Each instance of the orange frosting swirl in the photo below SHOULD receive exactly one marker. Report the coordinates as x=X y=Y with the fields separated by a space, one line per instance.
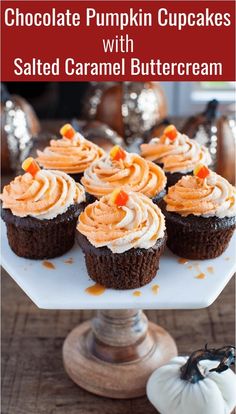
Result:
x=104 y=175
x=212 y=196
x=70 y=155
x=140 y=223
x=179 y=155
x=44 y=196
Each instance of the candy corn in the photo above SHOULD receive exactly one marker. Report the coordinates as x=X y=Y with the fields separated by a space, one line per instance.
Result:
x=67 y=131
x=119 y=197
x=201 y=171
x=117 y=153
x=30 y=166
x=171 y=132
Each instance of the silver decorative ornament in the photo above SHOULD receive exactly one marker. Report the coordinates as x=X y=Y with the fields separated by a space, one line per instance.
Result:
x=143 y=106
x=18 y=136
x=19 y=125
x=130 y=108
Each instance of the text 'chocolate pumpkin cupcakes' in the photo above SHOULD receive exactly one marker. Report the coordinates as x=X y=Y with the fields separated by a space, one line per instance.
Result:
x=122 y=236
x=40 y=209
x=71 y=154
x=121 y=168
x=200 y=213
x=177 y=154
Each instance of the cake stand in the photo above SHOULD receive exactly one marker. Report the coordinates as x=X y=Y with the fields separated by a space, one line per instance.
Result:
x=114 y=354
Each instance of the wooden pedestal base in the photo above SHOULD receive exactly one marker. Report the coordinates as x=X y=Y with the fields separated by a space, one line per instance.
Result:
x=114 y=354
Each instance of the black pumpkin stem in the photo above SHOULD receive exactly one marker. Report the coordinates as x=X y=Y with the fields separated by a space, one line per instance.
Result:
x=193 y=372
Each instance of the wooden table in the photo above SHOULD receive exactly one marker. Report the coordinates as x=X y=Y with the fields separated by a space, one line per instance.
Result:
x=33 y=378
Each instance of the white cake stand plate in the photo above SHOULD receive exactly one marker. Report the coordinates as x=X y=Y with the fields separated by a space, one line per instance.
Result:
x=114 y=354
x=63 y=283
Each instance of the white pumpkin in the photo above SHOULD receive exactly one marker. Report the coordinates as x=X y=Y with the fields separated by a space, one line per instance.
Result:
x=201 y=392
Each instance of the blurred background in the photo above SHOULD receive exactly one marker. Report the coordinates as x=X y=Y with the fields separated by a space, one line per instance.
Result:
x=63 y=99
x=127 y=113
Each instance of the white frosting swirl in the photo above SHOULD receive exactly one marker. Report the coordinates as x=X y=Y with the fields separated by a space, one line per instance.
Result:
x=70 y=155
x=105 y=174
x=44 y=196
x=212 y=196
x=179 y=155
x=223 y=197
x=138 y=224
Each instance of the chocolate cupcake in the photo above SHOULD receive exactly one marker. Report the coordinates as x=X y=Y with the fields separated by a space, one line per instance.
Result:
x=40 y=209
x=200 y=214
x=71 y=154
x=121 y=168
x=122 y=236
x=177 y=154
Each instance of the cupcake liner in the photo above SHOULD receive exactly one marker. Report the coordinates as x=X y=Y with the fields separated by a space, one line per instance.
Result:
x=41 y=239
x=198 y=238
x=129 y=270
